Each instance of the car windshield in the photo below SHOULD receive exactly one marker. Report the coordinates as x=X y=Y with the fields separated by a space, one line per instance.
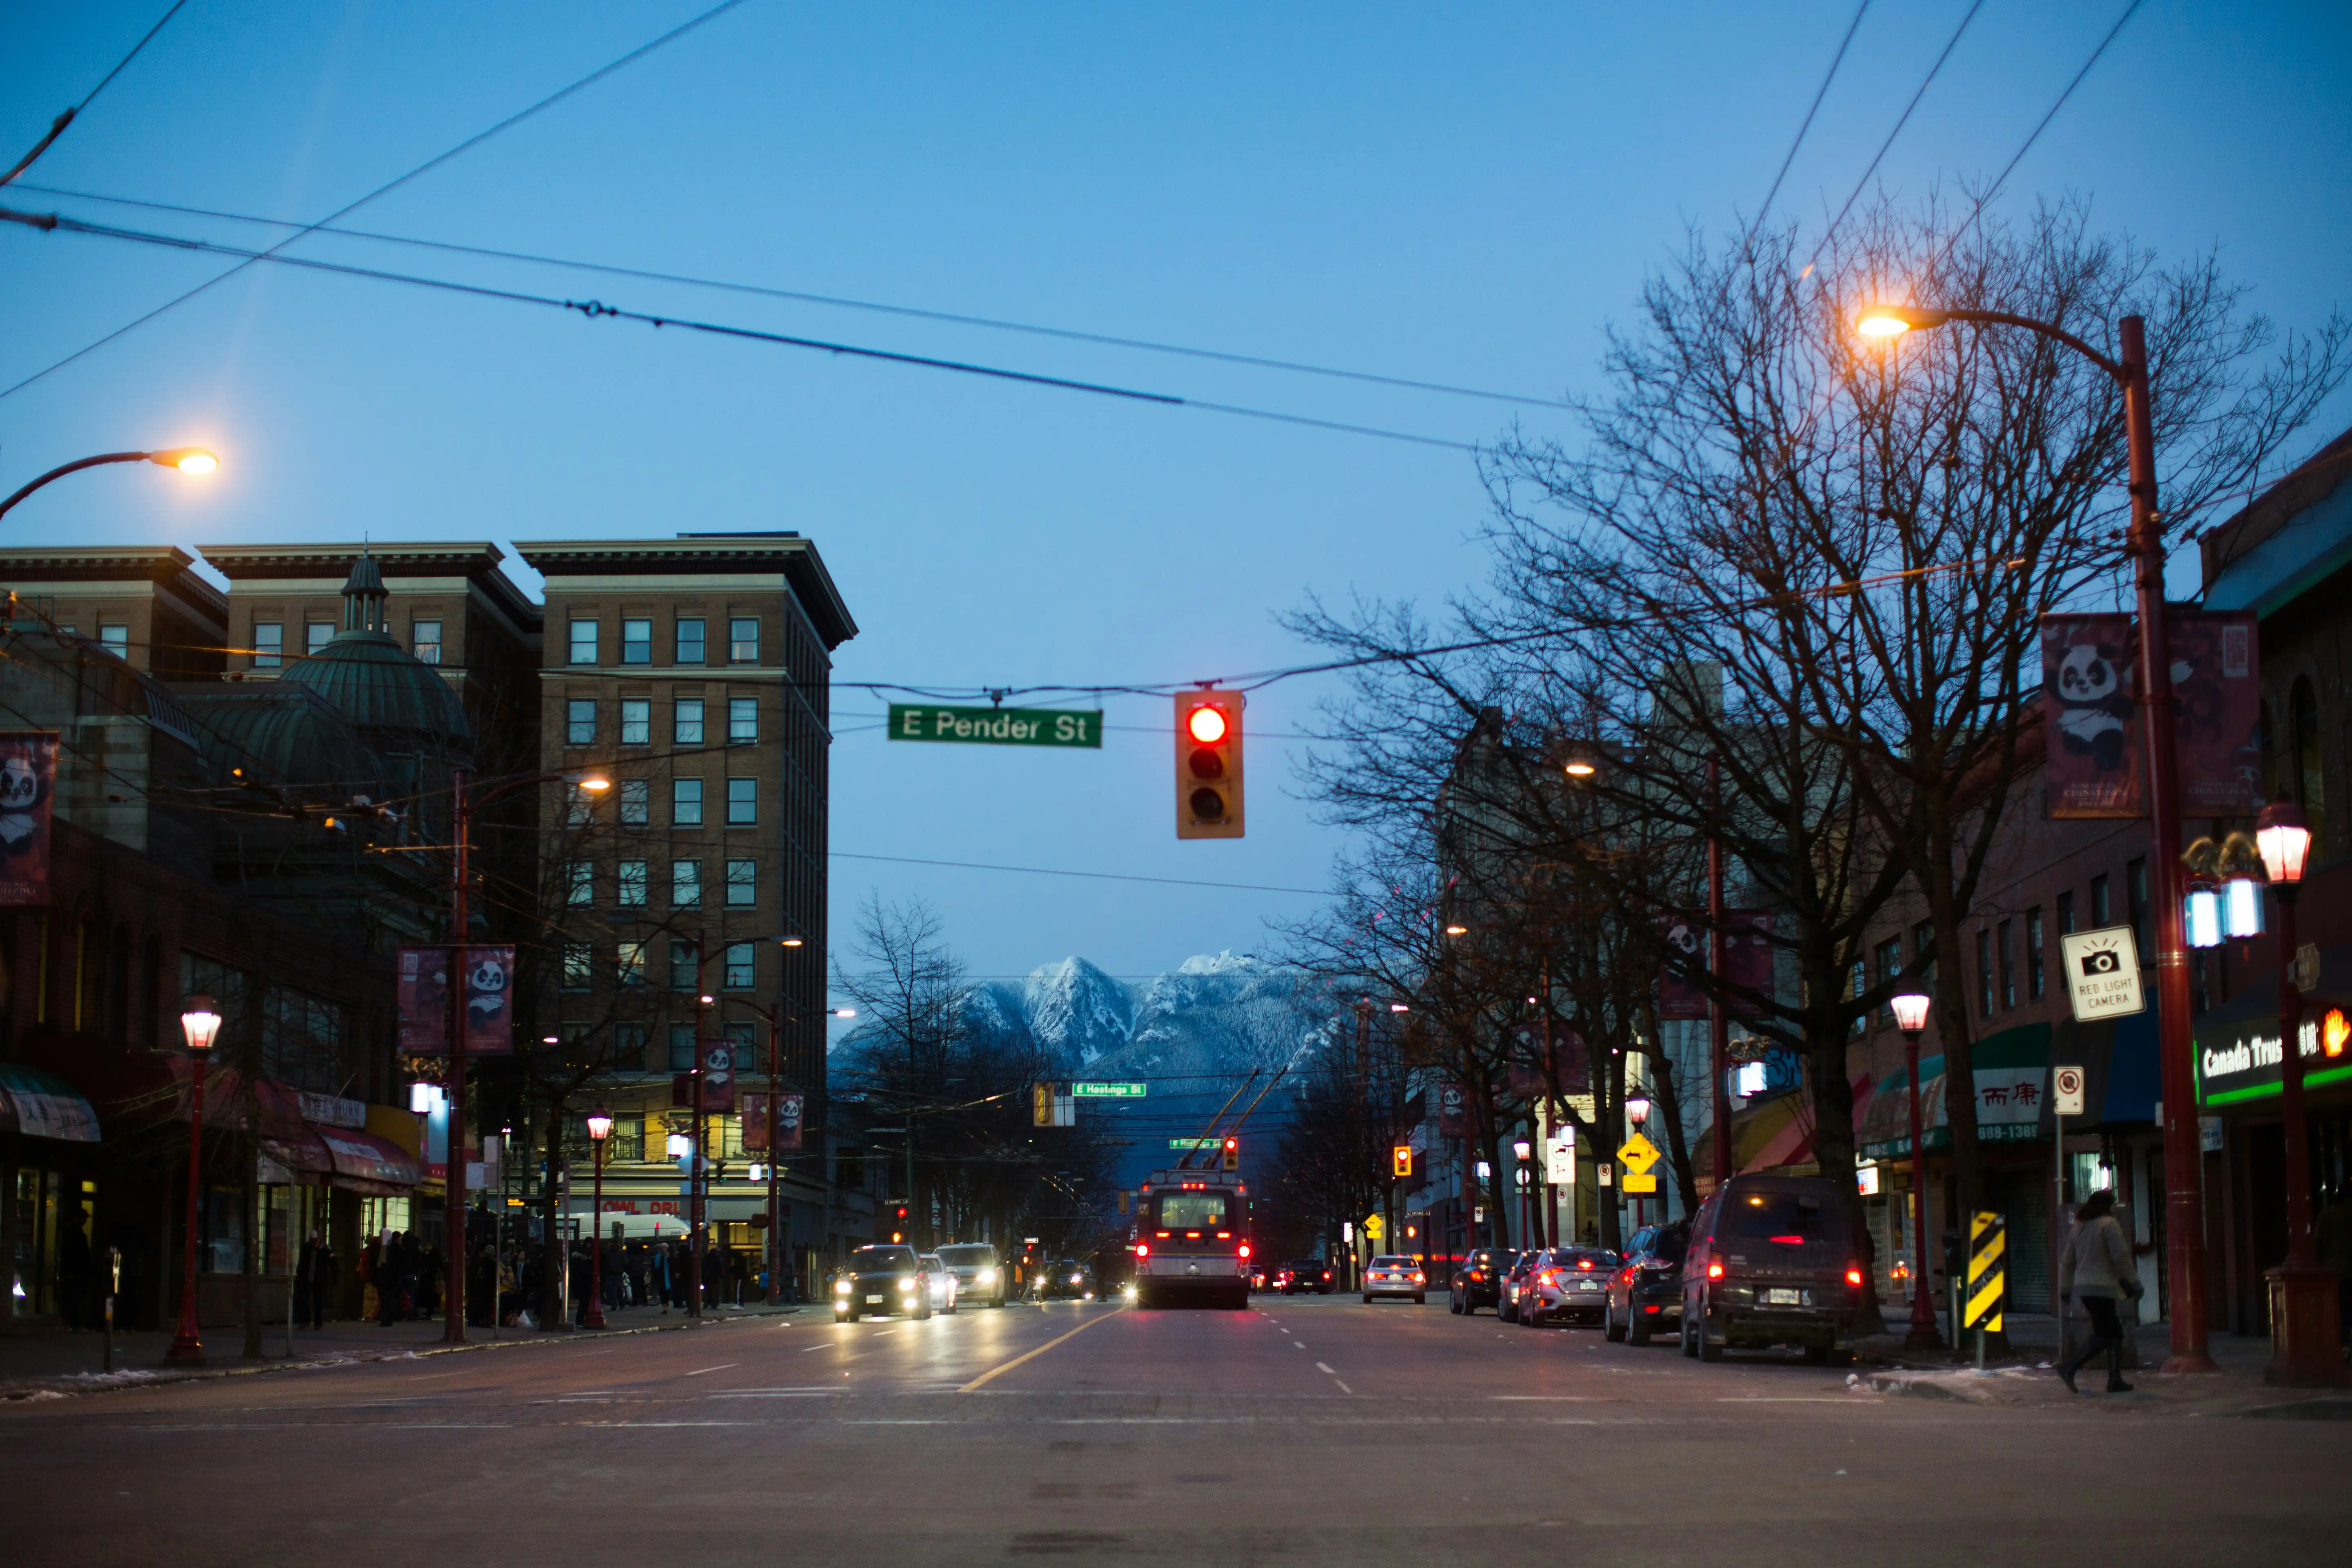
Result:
x=1195 y=1211
x=1577 y=1257
x=1792 y=1220
x=1392 y=1262
x=882 y=1259
x=1306 y=1266
x=1669 y=1246
x=967 y=1256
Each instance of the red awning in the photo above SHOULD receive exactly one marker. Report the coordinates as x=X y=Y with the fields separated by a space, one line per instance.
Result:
x=364 y=1162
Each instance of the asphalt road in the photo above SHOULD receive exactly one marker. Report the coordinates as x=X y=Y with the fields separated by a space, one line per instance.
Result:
x=1302 y=1431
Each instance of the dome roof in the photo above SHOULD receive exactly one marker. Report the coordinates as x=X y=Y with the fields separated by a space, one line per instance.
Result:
x=280 y=736
x=396 y=701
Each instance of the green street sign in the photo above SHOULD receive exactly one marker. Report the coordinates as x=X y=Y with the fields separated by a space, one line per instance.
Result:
x=1195 y=1143
x=997 y=726
x=1107 y=1090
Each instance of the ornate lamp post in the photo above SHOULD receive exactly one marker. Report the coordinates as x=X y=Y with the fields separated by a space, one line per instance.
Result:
x=200 y=1021
x=600 y=1129
x=2304 y=1325
x=1520 y=1149
x=1911 y=1018
x=187 y=460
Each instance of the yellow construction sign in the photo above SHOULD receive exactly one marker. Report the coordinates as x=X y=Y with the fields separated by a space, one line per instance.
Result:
x=1988 y=1271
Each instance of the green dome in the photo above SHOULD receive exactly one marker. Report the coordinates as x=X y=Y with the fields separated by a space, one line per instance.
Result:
x=395 y=701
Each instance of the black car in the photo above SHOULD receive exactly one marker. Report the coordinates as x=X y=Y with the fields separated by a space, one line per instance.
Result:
x=1645 y=1294
x=1068 y=1281
x=1771 y=1262
x=881 y=1279
x=1303 y=1276
x=1479 y=1279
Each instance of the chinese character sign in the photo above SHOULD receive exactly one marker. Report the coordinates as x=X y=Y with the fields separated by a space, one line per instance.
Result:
x=422 y=995
x=489 y=1007
x=28 y=780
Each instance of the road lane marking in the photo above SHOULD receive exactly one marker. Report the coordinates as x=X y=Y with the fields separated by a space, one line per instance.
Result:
x=1343 y=1387
x=722 y=1367
x=1787 y=1399
x=1321 y=1368
x=996 y=1372
x=826 y=1346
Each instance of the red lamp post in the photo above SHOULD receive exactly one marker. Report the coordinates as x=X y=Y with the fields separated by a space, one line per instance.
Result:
x=1911 y=1017
x=599 y=1128
x=200 y=1021
x=2303 y=1327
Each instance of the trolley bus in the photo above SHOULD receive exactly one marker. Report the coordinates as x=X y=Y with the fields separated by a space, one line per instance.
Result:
x=1191 y=1240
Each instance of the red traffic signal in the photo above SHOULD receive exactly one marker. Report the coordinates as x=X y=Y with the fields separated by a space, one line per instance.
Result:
x=1233 y=1154
x=1209 y=764
x=1400 y=1160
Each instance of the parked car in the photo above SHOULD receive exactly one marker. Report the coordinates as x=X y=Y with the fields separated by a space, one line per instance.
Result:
x=1645 y=1294
x=940 y=1280
x=980 y=1274
x=1395 y=1276
x=1303 y=1276
x=881 y=1279
x=1771 y=1262
x=1478 y=1282
x=1506 y=1306
x=1566 y=1283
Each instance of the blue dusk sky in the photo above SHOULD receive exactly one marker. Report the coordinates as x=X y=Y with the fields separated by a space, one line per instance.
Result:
x=1457 y=195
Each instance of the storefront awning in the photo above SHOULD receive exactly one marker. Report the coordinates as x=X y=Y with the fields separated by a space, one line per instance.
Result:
x=2012 y=1070
x=364 y=1162
x=42 y=1105
x=2236 y=1045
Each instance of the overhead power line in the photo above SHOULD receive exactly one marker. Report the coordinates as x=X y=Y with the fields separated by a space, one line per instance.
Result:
x=594 y=308
x=1807 y=124
x=1900 y=122
x=1093 y=876
x=58 y=126
x=802 y=295
x=474 y=140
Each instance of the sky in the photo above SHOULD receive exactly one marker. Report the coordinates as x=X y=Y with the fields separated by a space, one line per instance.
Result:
x=1461 y=195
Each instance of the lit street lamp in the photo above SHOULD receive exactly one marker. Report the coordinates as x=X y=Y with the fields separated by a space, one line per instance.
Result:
x=187 y=460
x=2144 y=543
x=599 y=1128
x=1911 y=1017
x=1522 y=1149
x=200 y=1022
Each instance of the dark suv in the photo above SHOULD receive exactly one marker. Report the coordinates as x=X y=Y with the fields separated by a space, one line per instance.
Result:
x=882 y=1280
x=1476 y=1282
x=1646 y=1293
x=1771 y=1262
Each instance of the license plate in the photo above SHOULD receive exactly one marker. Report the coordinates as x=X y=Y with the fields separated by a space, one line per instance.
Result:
x=873 y=1301
x=1587 y=1284
x=1783 y=1297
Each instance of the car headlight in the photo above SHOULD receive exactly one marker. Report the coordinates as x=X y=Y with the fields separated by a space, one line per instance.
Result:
x=986 y=1276
x=1075 y=1278
x=840 y=1287
x=905 y=1284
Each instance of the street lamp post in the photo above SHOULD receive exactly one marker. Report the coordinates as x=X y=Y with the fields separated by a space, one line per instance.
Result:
x=2144 y=542
x=1911 y=1018
x=1637 y=1112
x=599 y=1128
x=187 y=460
x=1520 y=1147
x=200 y=1022
x=2303 y=1326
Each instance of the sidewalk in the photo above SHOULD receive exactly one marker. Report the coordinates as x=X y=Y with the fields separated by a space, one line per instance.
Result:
x=51 y=1363
x=2026 y=1377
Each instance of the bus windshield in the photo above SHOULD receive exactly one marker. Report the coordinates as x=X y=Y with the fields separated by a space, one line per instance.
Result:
x=1195 y=1211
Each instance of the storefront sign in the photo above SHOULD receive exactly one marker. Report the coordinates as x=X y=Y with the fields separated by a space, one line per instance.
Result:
x=28 y=780
x=2245 y=1062
x=2102 y=972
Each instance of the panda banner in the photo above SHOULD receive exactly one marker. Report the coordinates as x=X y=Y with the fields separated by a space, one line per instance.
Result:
x=29 y=779
x=2092 y=721
x=490 y=1008
x=422 y=991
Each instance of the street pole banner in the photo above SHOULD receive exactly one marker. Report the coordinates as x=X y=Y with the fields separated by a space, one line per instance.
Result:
x=2217 y=711
x=422 y=997
x=755 y=1121
x=2090 y=717
x=29 y=786
x=719 y=1075
x=789 y=1108
x=489 y=1012
x=1747 y=963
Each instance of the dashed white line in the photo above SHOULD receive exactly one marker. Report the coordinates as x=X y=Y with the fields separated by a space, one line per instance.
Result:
x=1321 y=1368
x=722 y=1367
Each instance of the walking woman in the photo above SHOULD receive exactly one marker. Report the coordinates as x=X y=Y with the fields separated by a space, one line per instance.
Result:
x=2098 y=1268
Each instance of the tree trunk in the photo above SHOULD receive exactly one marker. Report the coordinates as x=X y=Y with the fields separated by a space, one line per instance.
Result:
x=1960 y=1073
x=1834 y=1142
x=1612 y=1118
x=257 y=1240
x=556 y=1255
x=1670 y=1102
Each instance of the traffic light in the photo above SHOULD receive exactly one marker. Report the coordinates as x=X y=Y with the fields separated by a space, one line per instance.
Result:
x=899 y=1219
x=1401 y=1160
x=1233 y=1154
x=1208 y=763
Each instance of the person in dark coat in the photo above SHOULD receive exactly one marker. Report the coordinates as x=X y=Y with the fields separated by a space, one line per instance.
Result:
x=2098 y=1268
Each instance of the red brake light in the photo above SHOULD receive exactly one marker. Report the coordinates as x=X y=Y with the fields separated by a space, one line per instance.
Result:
x=1854 y=1276
x=1714 y=1270
x=1143 y=1250
x=1584 y=1263
x=1788 y=1241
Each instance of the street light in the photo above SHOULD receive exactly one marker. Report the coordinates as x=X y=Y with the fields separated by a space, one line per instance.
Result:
x=200 y=1022
x=1910 y=1009
x=2184 y=1195
x=599 y=1128
x=2303 y=1327
x=187 y=460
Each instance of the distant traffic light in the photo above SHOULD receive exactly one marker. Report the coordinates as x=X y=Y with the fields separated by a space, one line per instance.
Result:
x=1208 y=763
x=1233 y=1154
x=899 y=1234
x=1401 y=1160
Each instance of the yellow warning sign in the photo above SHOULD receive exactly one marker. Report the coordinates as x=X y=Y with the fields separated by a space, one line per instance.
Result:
x=1638 y=1153
x=1988 y=1271
x=1640 y=1183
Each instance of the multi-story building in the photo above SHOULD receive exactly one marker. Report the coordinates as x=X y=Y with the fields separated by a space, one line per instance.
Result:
x=692 y=674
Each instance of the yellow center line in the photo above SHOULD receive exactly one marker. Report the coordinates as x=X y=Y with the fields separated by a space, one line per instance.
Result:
x=996 y=1372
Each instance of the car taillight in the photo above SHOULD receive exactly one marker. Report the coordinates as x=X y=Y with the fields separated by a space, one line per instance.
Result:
x=1476 y=1274
x=1714 y=1270
x=1584 y=1263
x=1420 y=1278
x=1854 y=1276
x=1788 y=1241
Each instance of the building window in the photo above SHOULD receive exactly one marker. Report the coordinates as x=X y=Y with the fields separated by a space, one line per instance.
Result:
x=115 y=638
x=636 y=642
x=632 y=954
x=425 y=641
x=584 y=642
x=628 y=1055
x=1923 y=955
x=681 y=967
x=685 y=884
x=2006 y=939
x=2136 y=890
x=2310 y=769
x=629 y=883
x=1984 y=971
x=1890 y=964
x=2102 y=907
x=580 y=722
x=740 y=966
x=637 y=722
x=268 y=644
x=581 y=883
x=579 y=967
x=686 y=802
x=637 y=803
x=744 y=639
x=742 y=802
x=743 y=882
x=688 y=730
x=579 y=811
x=2037 y=974
x=689 y=640
x=681 y=1048
x=2066 y=912
x=742 y=721
x=317 y=635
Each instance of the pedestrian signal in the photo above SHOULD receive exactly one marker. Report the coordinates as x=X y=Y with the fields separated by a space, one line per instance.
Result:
x=1233 y=1154
x=1208 y=763
x=1400 y=1159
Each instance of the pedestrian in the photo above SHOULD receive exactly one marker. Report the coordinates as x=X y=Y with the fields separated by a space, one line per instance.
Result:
x=305 y=1269
x=2098 y=1268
